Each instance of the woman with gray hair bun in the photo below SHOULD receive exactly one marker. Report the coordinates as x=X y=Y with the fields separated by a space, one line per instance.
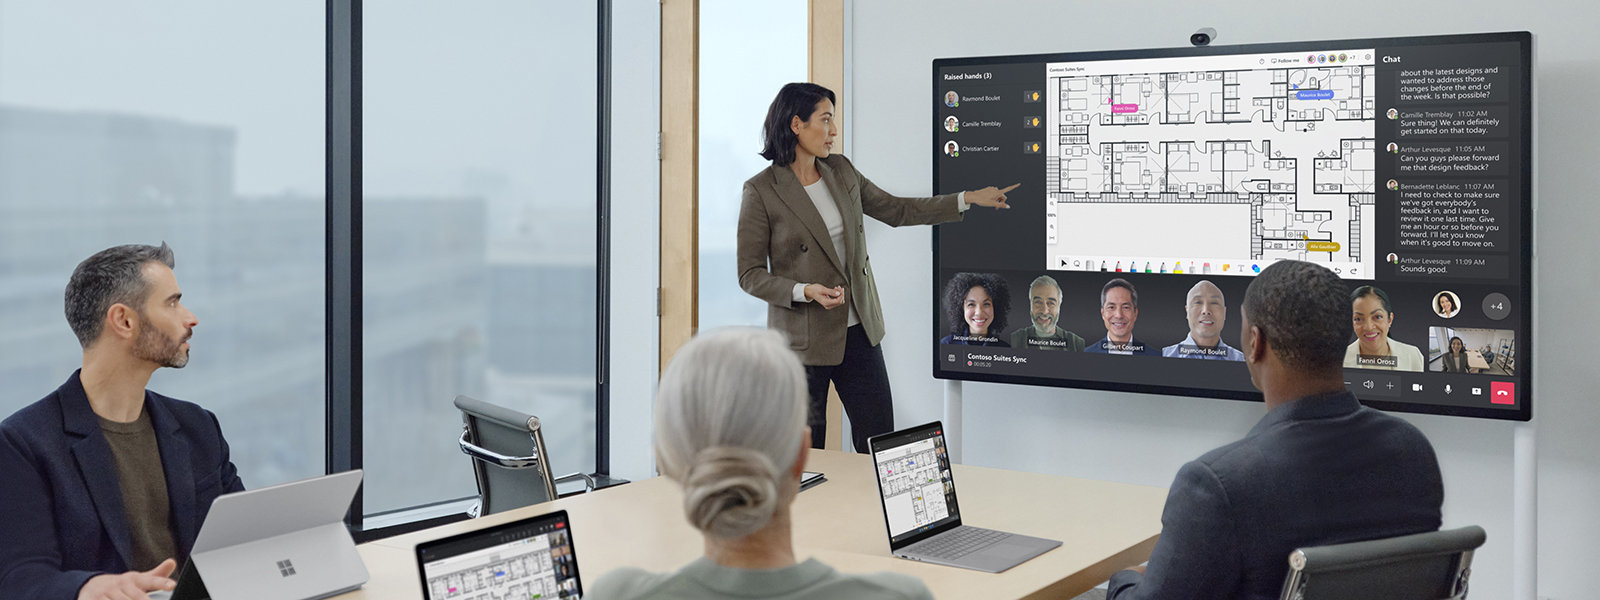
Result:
x=730 y=428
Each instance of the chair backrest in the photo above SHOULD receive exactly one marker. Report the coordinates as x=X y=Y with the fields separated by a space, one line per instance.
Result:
x=508 y=456
x=1423 y=566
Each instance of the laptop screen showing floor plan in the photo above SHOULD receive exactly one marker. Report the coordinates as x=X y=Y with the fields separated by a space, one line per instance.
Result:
x=920 y=508
x=526 y=559
x=919 y=496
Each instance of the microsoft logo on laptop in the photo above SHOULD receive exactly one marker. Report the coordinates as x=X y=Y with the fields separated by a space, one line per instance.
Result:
x=285 y=568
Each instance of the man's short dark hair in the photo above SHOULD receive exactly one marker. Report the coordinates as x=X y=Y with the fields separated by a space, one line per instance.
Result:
x=1303 y=313
x=112 y=276
x=1119 y=282
x=794 y=100
x=955 y=294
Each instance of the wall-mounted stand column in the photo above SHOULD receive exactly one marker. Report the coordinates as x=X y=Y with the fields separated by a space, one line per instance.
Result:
x=952 y=420
x=1524 y=513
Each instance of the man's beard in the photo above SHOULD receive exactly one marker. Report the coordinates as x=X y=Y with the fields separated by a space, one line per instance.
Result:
x=157 y=347
x=1043 y=327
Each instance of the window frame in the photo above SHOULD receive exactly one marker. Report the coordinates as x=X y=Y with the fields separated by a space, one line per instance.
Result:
x=343 y=302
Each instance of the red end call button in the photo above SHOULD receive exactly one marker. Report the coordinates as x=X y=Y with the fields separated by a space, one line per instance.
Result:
x=1502 y=392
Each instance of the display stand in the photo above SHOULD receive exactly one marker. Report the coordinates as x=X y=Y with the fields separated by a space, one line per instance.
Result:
x=1524 y=513
x=952 y=420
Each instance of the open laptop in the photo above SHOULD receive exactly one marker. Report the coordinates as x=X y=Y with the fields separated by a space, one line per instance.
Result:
x=528 y=558
x=286 y=541
x=920 y=508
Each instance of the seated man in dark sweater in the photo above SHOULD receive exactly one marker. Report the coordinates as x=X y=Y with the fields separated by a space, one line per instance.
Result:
x=106 y=483
x=1318 y=469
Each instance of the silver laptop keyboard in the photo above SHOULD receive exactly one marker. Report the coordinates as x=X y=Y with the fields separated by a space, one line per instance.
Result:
x=957 y=542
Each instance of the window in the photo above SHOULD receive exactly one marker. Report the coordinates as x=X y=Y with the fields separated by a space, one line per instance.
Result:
x=197 y=124
x=208 y=127
x=747 y=52
x=479 y=234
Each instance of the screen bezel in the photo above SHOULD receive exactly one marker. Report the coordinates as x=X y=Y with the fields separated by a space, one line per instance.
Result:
x=550 y=517
x=949 y=522
x=1524 y=411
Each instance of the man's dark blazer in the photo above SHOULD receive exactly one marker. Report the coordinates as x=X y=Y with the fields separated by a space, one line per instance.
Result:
x=1316 y=471
x=61 y=514
x=783 y=241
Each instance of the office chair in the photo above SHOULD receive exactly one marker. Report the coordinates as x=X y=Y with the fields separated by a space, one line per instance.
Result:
x=1424 y=566
x=509 y=460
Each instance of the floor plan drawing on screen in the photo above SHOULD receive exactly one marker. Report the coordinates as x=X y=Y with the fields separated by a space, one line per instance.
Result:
x=913 y=490
x=1212 y=164
x=526 y=572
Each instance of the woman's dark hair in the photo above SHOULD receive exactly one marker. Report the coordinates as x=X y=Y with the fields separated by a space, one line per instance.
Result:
x=1438 y=303
x=794 y=100
x=955 y=294
x=1367 y=290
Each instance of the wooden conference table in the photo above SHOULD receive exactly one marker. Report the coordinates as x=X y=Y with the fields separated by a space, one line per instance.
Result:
x=1103 y=527
x=1475 y=361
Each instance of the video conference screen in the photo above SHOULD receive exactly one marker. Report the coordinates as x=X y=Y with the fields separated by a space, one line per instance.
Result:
x=1157 y=183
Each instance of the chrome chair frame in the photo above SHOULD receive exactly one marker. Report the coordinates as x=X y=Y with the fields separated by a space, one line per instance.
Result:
x=1426 y=566
x=483 y=458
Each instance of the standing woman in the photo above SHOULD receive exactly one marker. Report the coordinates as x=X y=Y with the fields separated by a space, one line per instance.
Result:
x=802 y=249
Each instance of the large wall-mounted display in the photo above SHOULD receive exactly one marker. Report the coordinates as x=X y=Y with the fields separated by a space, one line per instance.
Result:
x=1156 y=183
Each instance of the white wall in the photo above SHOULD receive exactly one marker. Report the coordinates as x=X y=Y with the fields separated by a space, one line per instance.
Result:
x=635 y=231
x=1143 y=439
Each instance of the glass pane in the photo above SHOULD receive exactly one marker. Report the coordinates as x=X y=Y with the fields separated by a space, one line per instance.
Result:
x=198 y=124
x=479 y=233
x=747 y=51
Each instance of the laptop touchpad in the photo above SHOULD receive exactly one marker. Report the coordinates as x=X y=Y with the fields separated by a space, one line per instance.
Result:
x=1013 y=551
